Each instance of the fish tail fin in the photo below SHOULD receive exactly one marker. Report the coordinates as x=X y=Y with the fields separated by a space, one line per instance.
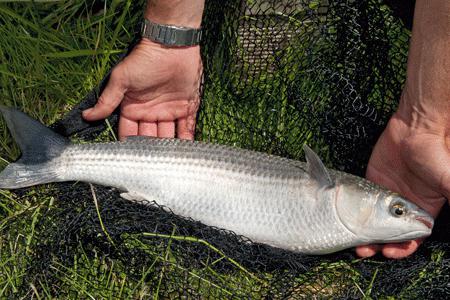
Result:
x=39 y=146
x=16 y=175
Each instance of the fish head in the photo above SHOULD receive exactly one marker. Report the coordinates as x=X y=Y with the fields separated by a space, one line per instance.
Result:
x=376 y=215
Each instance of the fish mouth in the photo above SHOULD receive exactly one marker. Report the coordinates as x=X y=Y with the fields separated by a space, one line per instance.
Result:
x=426 y=220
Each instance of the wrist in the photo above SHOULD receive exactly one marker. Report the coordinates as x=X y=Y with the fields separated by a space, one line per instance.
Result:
x=170 y=35
x=421 y=115
x=149 y=45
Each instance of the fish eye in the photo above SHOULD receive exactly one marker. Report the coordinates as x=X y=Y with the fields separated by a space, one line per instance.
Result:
x=398 y=210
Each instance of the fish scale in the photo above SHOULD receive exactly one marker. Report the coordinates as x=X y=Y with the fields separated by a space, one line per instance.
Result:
x=262 y=197
x=288 y=204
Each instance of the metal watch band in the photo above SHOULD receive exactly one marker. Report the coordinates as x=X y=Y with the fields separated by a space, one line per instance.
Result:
x=171 y=35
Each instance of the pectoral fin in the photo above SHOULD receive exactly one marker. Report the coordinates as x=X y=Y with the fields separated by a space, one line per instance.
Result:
x=316 y=168
x=132 y=196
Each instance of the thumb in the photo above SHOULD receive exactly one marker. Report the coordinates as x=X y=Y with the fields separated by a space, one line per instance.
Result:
x=108 y=101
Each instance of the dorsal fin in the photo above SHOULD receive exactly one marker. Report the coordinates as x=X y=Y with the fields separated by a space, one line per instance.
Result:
x=316 y=168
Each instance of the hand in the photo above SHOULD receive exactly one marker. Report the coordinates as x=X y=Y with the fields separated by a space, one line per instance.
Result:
x=412 y=155
x=158 y=89
x=413 y=159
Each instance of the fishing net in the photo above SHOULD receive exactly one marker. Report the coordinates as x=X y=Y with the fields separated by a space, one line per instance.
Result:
x=278 y=74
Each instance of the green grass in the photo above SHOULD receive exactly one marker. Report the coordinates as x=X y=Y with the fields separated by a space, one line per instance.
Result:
x=51 y=55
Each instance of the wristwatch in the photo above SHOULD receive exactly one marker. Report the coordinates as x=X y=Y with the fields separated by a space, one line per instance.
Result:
x=171 y=35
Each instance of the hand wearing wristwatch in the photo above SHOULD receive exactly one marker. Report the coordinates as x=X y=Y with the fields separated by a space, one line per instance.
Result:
x=171 y=35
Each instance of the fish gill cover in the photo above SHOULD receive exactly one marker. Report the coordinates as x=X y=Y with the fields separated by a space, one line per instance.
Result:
x=278 y=74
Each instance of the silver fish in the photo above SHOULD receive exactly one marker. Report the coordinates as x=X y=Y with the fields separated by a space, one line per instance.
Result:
x=303 y=207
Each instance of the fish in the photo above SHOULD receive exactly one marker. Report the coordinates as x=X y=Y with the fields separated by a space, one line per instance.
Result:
x=293 y=205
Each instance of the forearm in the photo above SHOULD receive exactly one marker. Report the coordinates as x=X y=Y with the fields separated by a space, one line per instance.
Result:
x=186 y=13
x=426 y=99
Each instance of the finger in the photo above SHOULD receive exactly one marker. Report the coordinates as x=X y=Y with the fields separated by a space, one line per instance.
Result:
x=186 y=127
x=401 y=250
x=108 y=101
x=148 y=128
x=127 y=127
x=368 y=250
x=166 y=129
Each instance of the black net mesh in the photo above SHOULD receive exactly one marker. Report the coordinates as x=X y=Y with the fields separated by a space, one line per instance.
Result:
x=180 y=257
x=328 y=74
x=278 y=74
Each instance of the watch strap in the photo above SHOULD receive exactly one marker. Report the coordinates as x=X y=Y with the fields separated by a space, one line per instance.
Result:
x=171 y=35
